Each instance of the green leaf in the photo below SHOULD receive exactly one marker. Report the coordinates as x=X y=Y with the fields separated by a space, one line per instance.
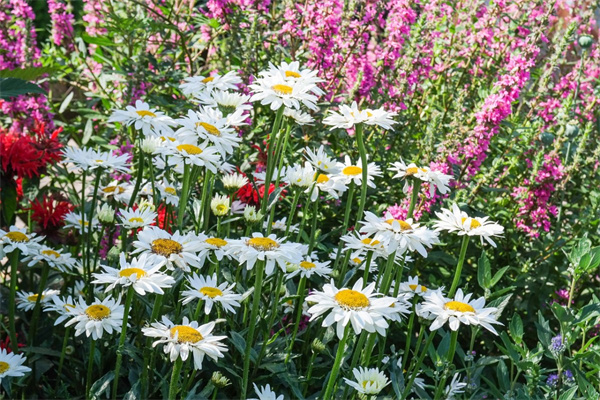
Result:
x=516 y=328
x=98 y=40
x=497 y=276
x=568 y=394
x=26 y=74
x=101 y=385
x=484 y=274
x=12 y=87
x=9 y=202
x=65 y=103
x=87 y=132
x=587 y=312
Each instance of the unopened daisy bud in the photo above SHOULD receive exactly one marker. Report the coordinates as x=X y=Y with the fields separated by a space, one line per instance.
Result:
x=220 y=205
x=146 y=205
x=113 y=254
x=149 y=145
x=234 y=181
x=106 y=214
x=317 y=346
x=69 y=350
x=251 y=215
x=219 y=380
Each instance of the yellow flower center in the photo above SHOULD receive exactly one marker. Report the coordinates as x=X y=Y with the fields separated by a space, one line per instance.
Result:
x=33 y=298
x=414 y=288
x=208 y=79
x=292 y=74
x=351 y=299
x=282 y=89
x=352 y=170
x=263 y=243
x=166 y=247
x=322 y=178
x=86 y=223
x=209 y=128
x=474 y=222
x=97 y=312
x=136 y=219
x=190 y=149
x=458 y=306
x=16 y=236
x=307 y=265
x=414 y=170
x=51 y=253
x=211 y=292
x=145 y=113
x=171 y=191
x=127 y=272
x=4 y=366
x=222 y=208
x=185 y=334
x=216 y=242
x=405 y=226
x=109 y=189
x=365 y=383
x=165 y=138
x=356 y=260
x=99 y=161
x=370 y=242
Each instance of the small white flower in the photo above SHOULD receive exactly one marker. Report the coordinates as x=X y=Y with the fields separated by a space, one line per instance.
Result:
x=61 y=305
x=349 y=116
x=333 y=185
x=436 y=179
x=411 y=287
x=205 y=288
x=293 y=73
x=106 y=214
x=455 y=387
x=270 y=249
x=192 y=153
x=168 y=192
x=277 y=91
x=302 y=176
x=281 y=225
x=11 y=365
x=299 y=117
x=18 y=239
x=196 y=84
x=353 y=172
x=265 y=393
x=143 y=117
x=150 y=144
x=228 y=103
x=321 y=161
x=209 y=125
x=114 y=190
x=88 y=160
x=234 y=181
x=306 y=268
x=360 y=244
x=368 y=381
x=96 y=318
x=26 y=300
x=53 y=257
x=173 y=250
x=458 y=221
x=139 y=218
x=75 y=220
x=220 y=205
x=252 y=215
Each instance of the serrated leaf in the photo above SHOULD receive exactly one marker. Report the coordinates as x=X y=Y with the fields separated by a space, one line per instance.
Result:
x=12 y=87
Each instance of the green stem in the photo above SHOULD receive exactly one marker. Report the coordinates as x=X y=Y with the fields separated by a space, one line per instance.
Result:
x=344 y=230
x=336 y=365
x=88 y=380
x=14 y=265
x=271 y=159
x=411 y=322
x=174 y=386
x=311 y=363
x=417 y=367
x=298 y=315
x=90 y=231
x=449 y=359
x=363 y=159
x=206 y=197
x=64 y=349
x=259 y=270
x=128 y=301
x=184 y=195
x=272 y=316
x=459 y=265
x=413 y=198
x=38 y=304
x=138 y=179
x=149 y=366
x=292 y=211
x=367 y=266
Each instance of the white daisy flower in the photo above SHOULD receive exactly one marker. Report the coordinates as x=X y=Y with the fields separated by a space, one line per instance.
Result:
x=458 y=221
x=220 y=205
x=353 y=172
x=278 y=91
x=436 y=179
x=265 y=393
x=411 y=287
x=192 y=153
x=196 y=84
x=53 y=257
x=455 y=387
x=26 y=300
x=114 y=190
x=357 y=306
x=172 y=250
x=181 y=340
x=18 y=239
x=348 y=116
x=271 y=249
x=74 y=220
x=332 y=185
x=292 y=72
x=400 y=235
x=234 y=181
x=301 y=118
x=142 y=274
x=368 y=381
x=281 y=225
x=321 y=161
x=212 y=245
x=360 y=244
x=96 y=318
x=252 y=215
x=206 y=288
x=139 y=218
x=209 y=124
x=168 y=192
x=89 y=159
x=150 y=144
x=11 y=365
x=299 y=175
x=143 y=117
x=61 y=305
x=306 y=268
x=227 y=102
x=459 y=310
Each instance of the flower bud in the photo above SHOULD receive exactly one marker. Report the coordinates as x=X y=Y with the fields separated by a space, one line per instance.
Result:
x=585 y=41
x=317 y=346
x=220 y=205
x=106 y=214
x=149 y=145
x=219 y=380
x=251 y=215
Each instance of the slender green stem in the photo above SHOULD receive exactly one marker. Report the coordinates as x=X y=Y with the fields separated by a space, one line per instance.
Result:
x=337 y=364
x=38 y=304
x=344 y=230
x=271 y=159
x=411 y=322
x=298 y=315
x=303 y=221
x=311 y=363
x=90 y=232
x=14 y=265
x=367 y=266
x=138 y=179
x=292 y=211
x=417 y=367
x=459 y=265
x=259 y=269
x=313 y=228
x=413 y=198
x=174 y=385
x=356 y=356
x=449 y=359
x=206 y=197
x=184 y=195
x=128 y=301
x=272 y=316
x=64 y=350
x=149 y=366
x=364 y=164
x=90 y=368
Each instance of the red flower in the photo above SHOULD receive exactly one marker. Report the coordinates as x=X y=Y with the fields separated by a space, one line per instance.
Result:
x=247 y=194
x=5 y=344
x=49 y=212
x=162 y=212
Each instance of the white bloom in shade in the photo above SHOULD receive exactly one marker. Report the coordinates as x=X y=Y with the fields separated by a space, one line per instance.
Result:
x=96 y=318
x=400 y=235
x=181 y=340
x=192 y=153
x=348 y=116
x=205 y=288
x=53 y=257
x=106 y=213
x=271 y=249
x=459 y=310
x=143 y=274
x=141 y=116
x=436 y=179
x=321 y=161
x=26 y=300
x=455 y=387
x=458 y=221
x=11 y=365
x=299 y=175
x=172 y=250
x=139 y=218
x=265 y=393
x=74 y=220
x=196 y=84
x=357 y=306
x=368 y=381
x=209 y=125
x=234 y=181
x=61 y=305
x=350 y=172
x=301 y=118
x=292 y=72
x=226 y=102
x=278 y=91
x=281 y=225
x=89 y=159
x=332 y=185
x=18 y=239
x=168 y=192
x=309 y=266
x=220 y=205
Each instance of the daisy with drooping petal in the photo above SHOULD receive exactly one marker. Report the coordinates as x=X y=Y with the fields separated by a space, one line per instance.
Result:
x=53 y=257
x=209 y=124
x=96 y=318
x=436 y=179
x=26 y=300
x=321 y=161
x=234 y=181
x=89 y=159
x=411 y=287
x=11 y=365
x=18 y=239
x=172 y=250
x=219 y=247
x=115 y=190
x=205 y=288
x=358 y=306
x=191 y=153
x=281 y=225
x=265 y=393
x=181 y=340
x=142 y=274
x=350 y=172
x=61 y=305
x=168 y=192
x=332 y=185
x=271 y=249
x=141 y=116
x=368 y=381
x=196 y=84
x=138 y=218
x=299 y=117
x=227 y=103
x=74 y=220
x=292 y=72
x=460 y=222
x=277 y=91
x=309 y=266
x=359 y=245
x=348 y=116
x=460 y=309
